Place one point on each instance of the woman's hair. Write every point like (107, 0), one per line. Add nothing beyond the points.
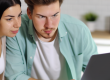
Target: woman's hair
(31, 3)
(4, 4)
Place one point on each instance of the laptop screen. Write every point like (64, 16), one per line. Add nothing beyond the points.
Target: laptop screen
(98, 68)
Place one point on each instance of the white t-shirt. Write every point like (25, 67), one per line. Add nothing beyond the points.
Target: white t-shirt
(2, 64)
(49, 63)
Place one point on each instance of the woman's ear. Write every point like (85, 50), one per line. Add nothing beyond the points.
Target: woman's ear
(29, 13)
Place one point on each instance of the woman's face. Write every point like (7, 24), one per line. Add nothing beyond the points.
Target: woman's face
(10, 21)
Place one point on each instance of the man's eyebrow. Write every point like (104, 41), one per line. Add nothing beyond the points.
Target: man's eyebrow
(11, 15)
(45, 16)
(55, 13)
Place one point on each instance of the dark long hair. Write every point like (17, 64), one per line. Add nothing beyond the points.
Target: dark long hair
(4, 4)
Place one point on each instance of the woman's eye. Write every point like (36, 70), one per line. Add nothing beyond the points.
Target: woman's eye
(9, 19)
(20, 15)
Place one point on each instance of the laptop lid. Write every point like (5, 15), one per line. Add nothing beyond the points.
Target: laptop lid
(98, 68)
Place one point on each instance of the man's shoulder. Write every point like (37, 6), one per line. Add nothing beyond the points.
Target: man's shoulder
(67, 19)
(24, 21)
(25, 26)
(24, 17)
(71, 22)
(72, 25)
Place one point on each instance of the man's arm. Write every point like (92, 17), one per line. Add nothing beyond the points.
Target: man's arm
(15, 61)
(89, 47)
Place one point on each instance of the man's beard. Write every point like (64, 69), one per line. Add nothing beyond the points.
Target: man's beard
(47, 35)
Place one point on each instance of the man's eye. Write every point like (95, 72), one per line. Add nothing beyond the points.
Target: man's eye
(41, 17)
(55, 15)
(9, 19)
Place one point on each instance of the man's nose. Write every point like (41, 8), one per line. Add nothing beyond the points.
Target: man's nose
(48, 23)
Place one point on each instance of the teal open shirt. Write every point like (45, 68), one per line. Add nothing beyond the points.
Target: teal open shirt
(75, 42)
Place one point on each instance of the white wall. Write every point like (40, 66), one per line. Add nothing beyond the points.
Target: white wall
(77, 8)
(23, 6)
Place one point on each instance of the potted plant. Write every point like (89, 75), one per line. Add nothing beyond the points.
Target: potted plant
(90, 19)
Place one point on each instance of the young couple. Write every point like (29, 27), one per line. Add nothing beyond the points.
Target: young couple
(42, 44)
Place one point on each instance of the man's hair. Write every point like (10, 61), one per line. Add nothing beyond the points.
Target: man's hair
(31, 3)
(4, 4)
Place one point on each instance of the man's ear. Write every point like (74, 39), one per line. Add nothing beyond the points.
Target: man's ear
(29, 13)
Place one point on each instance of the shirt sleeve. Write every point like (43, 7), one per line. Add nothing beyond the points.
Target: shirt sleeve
(89, 47)
(15, 63)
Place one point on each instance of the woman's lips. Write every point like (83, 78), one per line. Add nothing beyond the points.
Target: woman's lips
(14, 32)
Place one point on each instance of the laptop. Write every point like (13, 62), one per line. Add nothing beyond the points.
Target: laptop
(98, 68)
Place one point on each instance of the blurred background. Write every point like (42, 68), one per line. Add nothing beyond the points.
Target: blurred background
(95, 14)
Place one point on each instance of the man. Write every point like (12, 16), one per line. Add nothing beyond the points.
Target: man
(48, 46)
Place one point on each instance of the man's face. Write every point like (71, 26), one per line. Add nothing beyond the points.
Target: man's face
(45, 19)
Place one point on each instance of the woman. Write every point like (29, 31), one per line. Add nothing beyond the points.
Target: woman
(10, 21)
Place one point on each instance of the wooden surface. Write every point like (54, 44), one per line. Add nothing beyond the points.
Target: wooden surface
(101, 34)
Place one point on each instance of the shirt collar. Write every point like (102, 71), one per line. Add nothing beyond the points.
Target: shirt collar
(62, 30)
(31, 28)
